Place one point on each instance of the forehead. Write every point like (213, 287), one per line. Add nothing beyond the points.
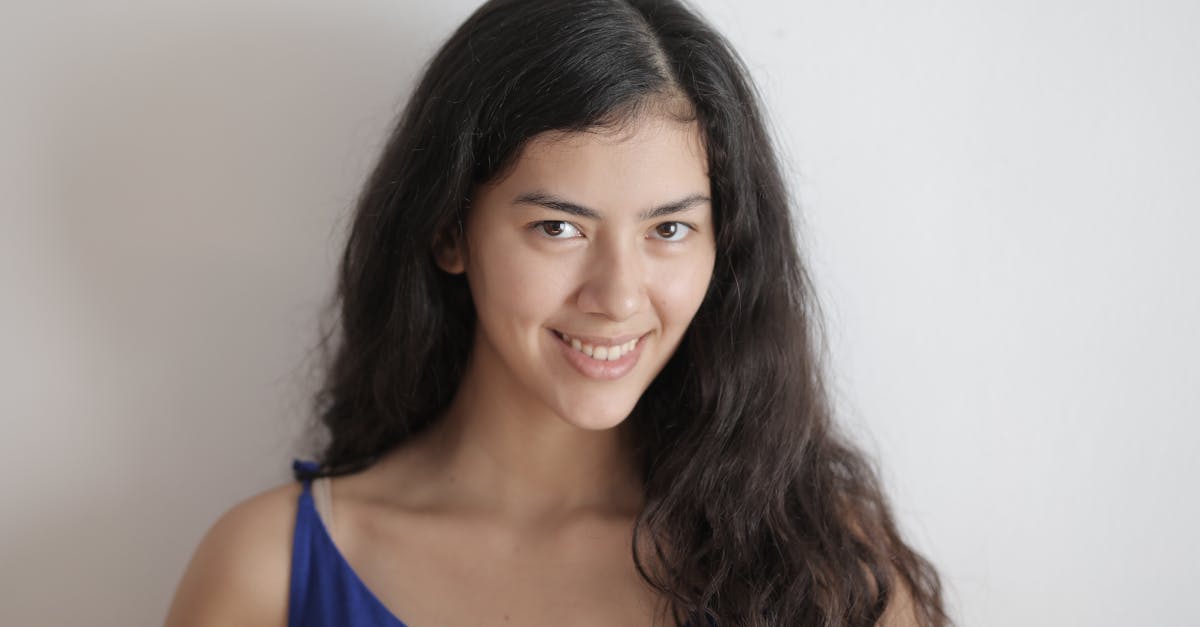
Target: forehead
(643, 161)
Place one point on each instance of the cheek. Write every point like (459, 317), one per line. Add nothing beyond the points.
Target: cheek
(679, 292)
(515, 287)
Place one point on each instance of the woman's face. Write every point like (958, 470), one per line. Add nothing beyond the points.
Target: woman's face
(597, 243)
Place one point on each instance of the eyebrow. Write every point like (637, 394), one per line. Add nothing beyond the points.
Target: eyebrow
(549, 201)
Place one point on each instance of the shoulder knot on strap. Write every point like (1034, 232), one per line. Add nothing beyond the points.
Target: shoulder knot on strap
(304, 470)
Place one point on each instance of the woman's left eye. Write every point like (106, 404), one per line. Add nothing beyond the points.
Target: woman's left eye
(672, 231)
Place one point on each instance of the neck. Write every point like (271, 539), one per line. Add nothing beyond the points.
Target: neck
(491, 452)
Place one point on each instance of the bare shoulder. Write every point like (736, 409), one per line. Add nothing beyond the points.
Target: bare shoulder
(900, 611)
(239, 573)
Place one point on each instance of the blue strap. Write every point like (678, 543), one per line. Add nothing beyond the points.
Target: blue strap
(303, 470)
(301, 550)
(325, 591)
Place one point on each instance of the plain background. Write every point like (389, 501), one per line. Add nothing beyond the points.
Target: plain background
(1000, 201)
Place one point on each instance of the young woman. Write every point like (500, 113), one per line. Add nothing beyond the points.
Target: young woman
(576, 378)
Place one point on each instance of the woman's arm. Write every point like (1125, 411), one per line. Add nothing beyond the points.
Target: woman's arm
(239, 573)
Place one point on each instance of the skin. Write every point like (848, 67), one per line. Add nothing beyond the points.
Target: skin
(517, 506)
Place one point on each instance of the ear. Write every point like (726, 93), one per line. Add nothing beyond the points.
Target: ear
(449, 251)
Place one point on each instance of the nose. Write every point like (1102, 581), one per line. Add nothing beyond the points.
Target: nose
(615, 286)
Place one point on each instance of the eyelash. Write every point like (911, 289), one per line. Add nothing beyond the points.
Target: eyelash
(538, 227)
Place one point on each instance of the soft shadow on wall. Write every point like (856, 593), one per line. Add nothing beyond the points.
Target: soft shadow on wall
(192, 168)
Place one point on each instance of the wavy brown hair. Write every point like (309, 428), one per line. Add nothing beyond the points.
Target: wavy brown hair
(758, 512)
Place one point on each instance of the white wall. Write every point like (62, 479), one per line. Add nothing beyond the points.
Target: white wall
(1001, 201)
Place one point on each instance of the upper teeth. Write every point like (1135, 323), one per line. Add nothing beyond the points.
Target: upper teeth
(602, 353)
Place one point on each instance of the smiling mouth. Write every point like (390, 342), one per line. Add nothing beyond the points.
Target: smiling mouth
(600, 352)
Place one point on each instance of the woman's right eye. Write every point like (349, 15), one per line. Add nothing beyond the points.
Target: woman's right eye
(556, 229)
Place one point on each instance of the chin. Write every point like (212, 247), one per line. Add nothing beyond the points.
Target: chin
(597, 420)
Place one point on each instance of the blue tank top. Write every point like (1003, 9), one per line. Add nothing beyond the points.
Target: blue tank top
(325, 591)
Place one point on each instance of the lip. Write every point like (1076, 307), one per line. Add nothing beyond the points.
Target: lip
(596, 369)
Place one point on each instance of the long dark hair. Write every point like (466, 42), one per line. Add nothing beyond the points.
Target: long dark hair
(757, 510)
